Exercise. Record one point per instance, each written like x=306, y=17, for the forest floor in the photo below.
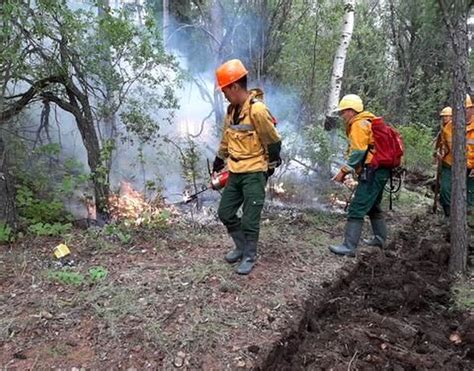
x=165, y=299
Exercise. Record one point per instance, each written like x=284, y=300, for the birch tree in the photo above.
x=455, y=17
x=339, y=61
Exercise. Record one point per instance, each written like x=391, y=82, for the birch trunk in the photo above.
x=166, y=22
x=340, y=58
x=455, y=18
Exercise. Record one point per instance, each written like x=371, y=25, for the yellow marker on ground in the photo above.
x=61, y=251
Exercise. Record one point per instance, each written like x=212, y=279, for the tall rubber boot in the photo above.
x=249, y=257
x=236, y=254
x=351, y=238
x=379, y=227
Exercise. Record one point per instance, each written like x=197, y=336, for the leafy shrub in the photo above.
x=6, y=233
x=36, y=210
x=418, y=148
x=47, y=229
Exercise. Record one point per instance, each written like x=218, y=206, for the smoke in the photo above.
x=157, y=167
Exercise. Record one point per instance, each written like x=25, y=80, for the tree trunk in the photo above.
x=7, y=191
x=99, y=171
x=217, y=30
x=166, y=22
x=8, y=213
x=455, y=17
x=340, y=58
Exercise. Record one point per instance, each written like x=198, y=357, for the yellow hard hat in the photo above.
x=468, y=102
x=350, y=101
x=229, y=72
x=446, y=111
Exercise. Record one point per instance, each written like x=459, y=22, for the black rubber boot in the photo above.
x=379, y=227
x=249, y=257
x=351, y=238
x=236, y=254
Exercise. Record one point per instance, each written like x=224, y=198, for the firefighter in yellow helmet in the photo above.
x=369, y=191
x=251, y=146
x=444, y=151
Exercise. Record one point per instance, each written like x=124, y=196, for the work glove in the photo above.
x=330, y=122
x=218, y=164
x=274, y=159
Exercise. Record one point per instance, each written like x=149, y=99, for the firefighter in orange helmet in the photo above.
x=250, y=146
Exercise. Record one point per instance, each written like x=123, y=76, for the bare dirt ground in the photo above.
x=169, y=301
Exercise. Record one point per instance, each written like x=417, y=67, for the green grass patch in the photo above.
x=463, y=295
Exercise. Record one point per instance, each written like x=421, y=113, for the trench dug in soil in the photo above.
x=392, y=311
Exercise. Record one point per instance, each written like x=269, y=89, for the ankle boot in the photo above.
x=235, y=255
x=379, y=227
x=351, y=238
x=249, y=257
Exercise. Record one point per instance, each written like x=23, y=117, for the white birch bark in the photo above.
x=166, y=22
x=340, y=57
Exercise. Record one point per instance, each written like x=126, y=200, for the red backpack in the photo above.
x=388, y=145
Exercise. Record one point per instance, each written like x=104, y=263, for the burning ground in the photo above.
x=162, y=297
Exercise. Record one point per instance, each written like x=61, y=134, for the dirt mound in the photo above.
x=391, y=312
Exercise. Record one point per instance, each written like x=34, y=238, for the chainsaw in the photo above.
x=218, y=181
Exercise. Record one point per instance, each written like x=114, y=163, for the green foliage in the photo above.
x=36, y=210
x=463, y=296
x=66, y=277
x=318, y=145
x=120, y=232
x=97, y=273
x=47, y=229
x=418, y=147
x=6, y=233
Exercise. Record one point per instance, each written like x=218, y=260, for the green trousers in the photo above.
x=246, y=190
x=368, y=196
x=445, y=189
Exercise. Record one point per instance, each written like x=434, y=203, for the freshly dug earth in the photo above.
x=393, y=312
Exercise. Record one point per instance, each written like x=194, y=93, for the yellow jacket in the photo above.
x=359, y=134
x=244, y=143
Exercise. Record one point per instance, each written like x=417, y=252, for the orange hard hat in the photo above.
x=229, y=72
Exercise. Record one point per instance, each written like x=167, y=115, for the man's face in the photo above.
x=446, y=119
x=347, y=114
x=230, y=93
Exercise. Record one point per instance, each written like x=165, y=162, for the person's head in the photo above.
x=469, y=108
x=349, y=106
x=446, y=115
x=231, y=78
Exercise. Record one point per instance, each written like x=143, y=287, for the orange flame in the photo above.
x=130, y=205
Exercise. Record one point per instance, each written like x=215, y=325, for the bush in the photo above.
x=6, y=233
x=47, y=229
x=418, y=148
